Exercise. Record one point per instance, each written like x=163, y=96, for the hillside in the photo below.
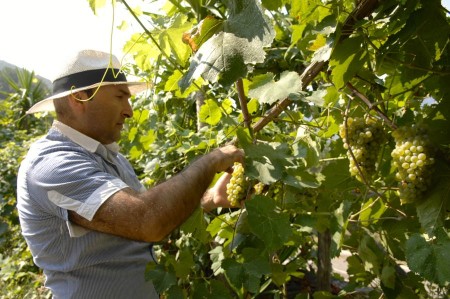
x=10, y=69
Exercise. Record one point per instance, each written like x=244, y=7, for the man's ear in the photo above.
x=76, y=100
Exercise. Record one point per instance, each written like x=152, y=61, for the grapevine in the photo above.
x=413, y=159
x=362, y=138
x=236, y=186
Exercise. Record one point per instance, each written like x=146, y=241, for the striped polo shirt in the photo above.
x=66, y=170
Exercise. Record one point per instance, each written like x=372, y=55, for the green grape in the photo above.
x=236, y=186
x=258, y=188
x=413, y=159
x=364, y=137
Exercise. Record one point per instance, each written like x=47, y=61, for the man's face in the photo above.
x=106, y=112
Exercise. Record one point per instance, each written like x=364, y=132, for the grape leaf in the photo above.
x=323, y=53
x=202, y=32
x=219, y=290
x=388, y=276
x=372, y=211
x=266, y=90
x=429, y=259
x=311, y=148
x=228, y=55
x=210, y=113
x=248, y=273
x=266, y=223
x=96, y=5
x=162, y=279
x=208, y=289
x=268, y=161
x=174, y=292
x=371, y=254
x=346, y=60
x=431, y=209
x=196, y=226
x=272, y=4
x=171, y=39
x=184, y=262
x=234, y=272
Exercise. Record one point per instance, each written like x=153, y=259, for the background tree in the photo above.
x=20, y=278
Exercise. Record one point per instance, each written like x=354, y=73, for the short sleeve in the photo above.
x=73, y=180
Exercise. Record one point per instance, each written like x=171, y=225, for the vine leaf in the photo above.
x=268, y=161
x=429, y=259
x=96, y=5
x=371, y=254
x=346, y=60
x=267, y=90
x=323, y=53
x=228, y=55
x=272, y=4
x=184, y=262
x=268, y=224
x=205, y=29
x=210, y=113
x=247, y=274
x=431, y=210
x=162, y=279
x=171, y=42
x=196, y=225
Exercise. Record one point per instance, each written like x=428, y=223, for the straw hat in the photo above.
x=85, y=70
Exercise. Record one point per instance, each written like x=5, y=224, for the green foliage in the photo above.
x=391, y=65
x=267, y=91
x=428, y=258
x=19, y=277
x=221, y=58
x=306, y=67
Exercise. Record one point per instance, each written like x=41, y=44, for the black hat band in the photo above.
x=87, y=78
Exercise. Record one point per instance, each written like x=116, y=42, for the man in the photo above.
x=87, y=219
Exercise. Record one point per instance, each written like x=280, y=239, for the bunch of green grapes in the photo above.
x=259, y=187
x=236, y=186
x=413, y=158
x=364, y=136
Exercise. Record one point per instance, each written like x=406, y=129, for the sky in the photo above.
x=38, y=34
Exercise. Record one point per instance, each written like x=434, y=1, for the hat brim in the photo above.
x=47, y=105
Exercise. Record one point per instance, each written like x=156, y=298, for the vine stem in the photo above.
x=370, y=105
x=244, y=108
x=151, y=36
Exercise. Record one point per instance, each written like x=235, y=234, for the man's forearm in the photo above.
x=151, y=215
x=174, y=200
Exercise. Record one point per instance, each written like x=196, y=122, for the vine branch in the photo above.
x=244, y=108
x=370, y=105
x=363, y=9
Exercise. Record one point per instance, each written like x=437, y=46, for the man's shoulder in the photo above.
x=54, y=145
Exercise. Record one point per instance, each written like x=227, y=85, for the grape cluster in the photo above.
x=364, y=136
x=259, y=187
x=236, y=186
x=413, y=158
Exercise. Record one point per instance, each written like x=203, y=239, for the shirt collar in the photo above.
x=85, y=141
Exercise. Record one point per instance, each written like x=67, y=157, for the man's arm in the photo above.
x=150, y=216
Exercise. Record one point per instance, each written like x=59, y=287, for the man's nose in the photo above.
x=128, y=110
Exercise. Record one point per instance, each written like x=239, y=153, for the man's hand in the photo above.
x=225, y=156
x=216, y=196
